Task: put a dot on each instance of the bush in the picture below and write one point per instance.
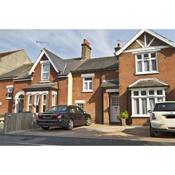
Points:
(124, 115)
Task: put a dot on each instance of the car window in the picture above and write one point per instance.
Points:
(72, 109)
(164, 107)
(57, 109)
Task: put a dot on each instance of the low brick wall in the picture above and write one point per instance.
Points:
(19, 121)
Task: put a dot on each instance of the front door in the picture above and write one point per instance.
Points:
(114, 108)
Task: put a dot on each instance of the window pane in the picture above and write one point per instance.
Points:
(152, 103)
(146, 55)
(139, 57)
(159, 92)
(160, 99)
(154, 65)
(153, 55)
(45, 76)
(151, 92)
(46, 67)
(143, 92)
(136, 106)
(139, 66)
(146, 65)
(144, 106)
(30, 108)
(88, 79)
(90, 85)
(86, 85)
(136, 93)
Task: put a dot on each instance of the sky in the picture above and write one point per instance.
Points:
(67, 43)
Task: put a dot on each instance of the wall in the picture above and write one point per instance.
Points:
(166, 62)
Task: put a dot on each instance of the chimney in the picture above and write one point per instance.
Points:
(118, 47)
(86, 50)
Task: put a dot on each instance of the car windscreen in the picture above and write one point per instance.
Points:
(57, 109)
(165, 107)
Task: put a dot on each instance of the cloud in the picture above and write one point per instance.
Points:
(67, 43)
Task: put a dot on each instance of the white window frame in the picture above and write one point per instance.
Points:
(44, 104)
(150, 63)
(87, 81)
(37, 101)
(147, 96)
(42, 71)
(29, 104)
(54, 98)
(9, 87)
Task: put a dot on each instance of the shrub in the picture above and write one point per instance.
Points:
(124, 115)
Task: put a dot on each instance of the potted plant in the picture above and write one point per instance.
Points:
(123, 116)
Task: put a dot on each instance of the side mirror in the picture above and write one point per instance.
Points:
(150, 111)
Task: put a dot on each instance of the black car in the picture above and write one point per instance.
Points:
(63, 116)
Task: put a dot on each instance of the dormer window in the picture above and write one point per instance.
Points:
(146, 63)
(45, 70)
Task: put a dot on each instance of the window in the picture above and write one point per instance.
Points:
(87, 84)
(44, 102)
(146, 63)
(37, 103)
(81, 105)
(45, 71)
(145, 99)
(30, 103)
(54, 98)
(9, 92)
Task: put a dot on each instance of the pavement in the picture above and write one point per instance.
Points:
(88, 135)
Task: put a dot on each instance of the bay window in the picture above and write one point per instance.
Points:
(145, 99)
(44, 102)
(146, 63)
(37, 103)
(30, 103)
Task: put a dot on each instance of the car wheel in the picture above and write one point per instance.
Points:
(88, 121)
(70, 124)
(45, 127)
(152, 132)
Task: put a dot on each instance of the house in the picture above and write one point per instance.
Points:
(12, 59)
(146, 74)
(91, 83)
(95, 87)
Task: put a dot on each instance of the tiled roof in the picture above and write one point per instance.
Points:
(110, 84)
(148, 82)
(18, 73)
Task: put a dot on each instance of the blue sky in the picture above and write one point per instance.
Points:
(67, 43)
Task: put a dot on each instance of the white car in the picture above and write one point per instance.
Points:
(162, 118)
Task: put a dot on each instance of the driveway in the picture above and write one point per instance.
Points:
(129, 135)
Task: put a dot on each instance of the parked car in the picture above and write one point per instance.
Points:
(63, 116)
(162, 118)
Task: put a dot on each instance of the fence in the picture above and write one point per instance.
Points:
(19, 121)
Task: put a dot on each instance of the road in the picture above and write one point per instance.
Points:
(29, 140)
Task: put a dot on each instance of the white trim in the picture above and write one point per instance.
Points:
(38, 60)
(80, 101)
(16, 99)
(147, 49)
(145, 40)
(44, 61)
(151, 42)
(70, 89)
(30, 95)
(37, 92)
(54, 92)
(145, 79)
(139, 34)
(9, 86)
(112, 90)
(87, 75)
(140, 43)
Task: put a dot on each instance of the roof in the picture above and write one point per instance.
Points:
(18, 73)
(156, 35)
(95, 64)
(110, 84)
(148, 82)
(41, 86)
(2, 54)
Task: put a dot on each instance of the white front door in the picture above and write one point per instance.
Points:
(114, 108)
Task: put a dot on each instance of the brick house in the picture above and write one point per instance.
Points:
(52, 80)
(146, 74)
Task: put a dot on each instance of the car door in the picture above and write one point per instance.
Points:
(73, 114)
(80, 116)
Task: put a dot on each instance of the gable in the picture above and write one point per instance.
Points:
(146, 39)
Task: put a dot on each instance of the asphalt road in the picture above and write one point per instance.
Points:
(28, 140)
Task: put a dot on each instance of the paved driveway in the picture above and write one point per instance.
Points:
(105, 132)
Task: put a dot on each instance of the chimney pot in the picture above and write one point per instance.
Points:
(118, 47)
